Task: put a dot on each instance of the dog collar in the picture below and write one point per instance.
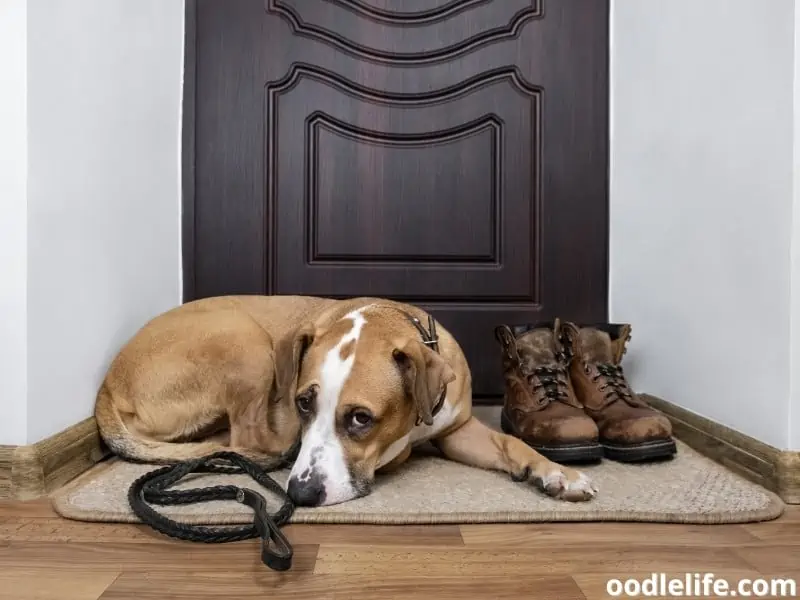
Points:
(431, 339)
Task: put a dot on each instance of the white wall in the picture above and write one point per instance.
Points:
(794, 402)
(13, 217)
(701, 203)
(104, 84)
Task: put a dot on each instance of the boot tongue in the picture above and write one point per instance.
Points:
(537, 348)
(595, 346)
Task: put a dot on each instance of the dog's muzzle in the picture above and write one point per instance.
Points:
(307, 493)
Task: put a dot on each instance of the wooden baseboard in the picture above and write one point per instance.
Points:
(776, 470)
(33, 471)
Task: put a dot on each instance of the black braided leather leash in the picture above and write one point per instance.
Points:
(152, 488)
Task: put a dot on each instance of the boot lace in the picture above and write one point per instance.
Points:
(614, 384)
(549, 384)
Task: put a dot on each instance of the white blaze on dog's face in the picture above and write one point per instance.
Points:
(358, 402)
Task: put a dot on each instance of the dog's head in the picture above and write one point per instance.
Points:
(360, 386)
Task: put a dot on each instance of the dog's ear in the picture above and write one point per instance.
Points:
(289, 353)
(425, 374)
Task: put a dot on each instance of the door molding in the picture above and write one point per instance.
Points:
(188, 126)
(188, 155)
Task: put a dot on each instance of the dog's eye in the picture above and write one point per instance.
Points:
(360, 419)
(304, 403)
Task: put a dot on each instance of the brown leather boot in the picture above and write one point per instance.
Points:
(539, 406)
(630, 430)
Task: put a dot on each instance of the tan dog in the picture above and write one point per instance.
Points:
(360, 382)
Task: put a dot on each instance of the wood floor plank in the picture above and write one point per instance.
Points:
(772, 558)
(201, 586)
(562, 534)
(43, 556)
(406, 535)
(31, 509)
(387, 560)
(62, 530)
(780, 532)
(791, 514)
(49, 584)
(175, 557)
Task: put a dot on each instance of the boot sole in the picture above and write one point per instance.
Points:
(581, 452)
(646, 451)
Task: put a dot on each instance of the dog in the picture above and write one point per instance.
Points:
(339, 389)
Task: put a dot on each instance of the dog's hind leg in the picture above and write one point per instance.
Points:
(158, 442)
(475, 444)
(207, 441)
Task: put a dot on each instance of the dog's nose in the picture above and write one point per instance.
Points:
(310, 493)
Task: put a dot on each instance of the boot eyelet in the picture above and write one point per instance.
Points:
(587, 369)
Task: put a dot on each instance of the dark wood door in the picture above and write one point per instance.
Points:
(451, 154)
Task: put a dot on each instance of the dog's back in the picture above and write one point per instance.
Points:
(195, 369)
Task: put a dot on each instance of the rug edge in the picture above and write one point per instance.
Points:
(774, 509)
(769, 513)
(60, 501)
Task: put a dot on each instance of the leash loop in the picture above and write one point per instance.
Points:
(152, 488)
(279, 556)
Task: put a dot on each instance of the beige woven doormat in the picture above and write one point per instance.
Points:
(429, 489)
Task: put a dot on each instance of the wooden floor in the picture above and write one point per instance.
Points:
(44, 557)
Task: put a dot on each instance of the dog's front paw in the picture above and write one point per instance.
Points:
(569, 485)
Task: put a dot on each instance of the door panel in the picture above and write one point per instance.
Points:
(452, 154)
